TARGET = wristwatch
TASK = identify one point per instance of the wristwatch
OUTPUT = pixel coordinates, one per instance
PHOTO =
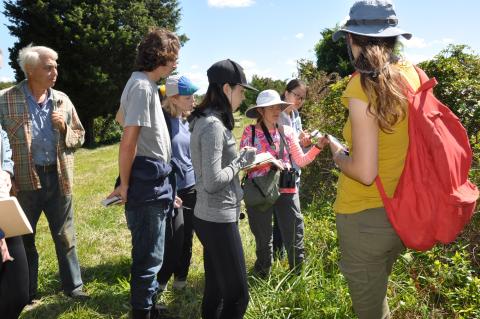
(2, 234)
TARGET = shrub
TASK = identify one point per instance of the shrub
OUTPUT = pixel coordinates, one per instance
(107, 130)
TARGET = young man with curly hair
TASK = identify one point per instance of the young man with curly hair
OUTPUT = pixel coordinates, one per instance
(144, 158)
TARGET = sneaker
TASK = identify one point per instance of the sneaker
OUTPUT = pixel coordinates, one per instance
(78, 295)
(179, 284)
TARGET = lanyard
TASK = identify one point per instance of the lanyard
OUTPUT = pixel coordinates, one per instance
(267, 135)
(282, 142)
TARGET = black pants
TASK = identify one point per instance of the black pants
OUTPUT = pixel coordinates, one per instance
(278, 246)
(178, 239)
(13, 280)
(226, 289)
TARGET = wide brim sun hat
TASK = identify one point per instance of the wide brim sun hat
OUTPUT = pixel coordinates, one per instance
(264, 99)
(372, 18)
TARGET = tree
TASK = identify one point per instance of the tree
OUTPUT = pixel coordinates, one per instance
(96, 42)
(261, 84)
(332, 56)
(457, 70)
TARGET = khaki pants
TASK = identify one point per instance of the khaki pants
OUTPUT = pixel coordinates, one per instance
(369, 246)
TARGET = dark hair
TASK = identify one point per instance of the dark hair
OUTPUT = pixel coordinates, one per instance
(216, 100)
(292, 85)
(382, 82)
(156, 49)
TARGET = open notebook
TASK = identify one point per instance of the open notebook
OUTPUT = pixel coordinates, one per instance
(263, 158)
(13, 221)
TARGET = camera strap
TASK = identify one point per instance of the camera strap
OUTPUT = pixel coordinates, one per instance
(268, 136)
(283, 143)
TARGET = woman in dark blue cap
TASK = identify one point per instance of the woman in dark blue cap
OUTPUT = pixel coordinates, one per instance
(376, 132)
(217, 163)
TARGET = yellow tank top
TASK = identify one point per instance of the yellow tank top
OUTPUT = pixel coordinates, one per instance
(353, 196)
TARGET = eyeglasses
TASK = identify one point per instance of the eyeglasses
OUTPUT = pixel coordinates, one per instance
(298, 96)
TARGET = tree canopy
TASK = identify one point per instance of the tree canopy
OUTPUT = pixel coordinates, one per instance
(261, 84)
(332, 56)
(95, 40)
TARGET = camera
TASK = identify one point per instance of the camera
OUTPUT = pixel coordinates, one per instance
(288, 178)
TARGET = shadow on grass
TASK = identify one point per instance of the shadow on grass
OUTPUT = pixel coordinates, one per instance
(107, 285)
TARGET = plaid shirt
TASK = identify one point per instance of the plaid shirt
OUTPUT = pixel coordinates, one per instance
(15, 120)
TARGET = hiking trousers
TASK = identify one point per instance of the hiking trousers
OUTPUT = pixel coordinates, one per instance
(369, 247)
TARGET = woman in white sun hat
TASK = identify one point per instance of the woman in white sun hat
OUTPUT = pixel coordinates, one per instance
(282, 142)
(376, 132)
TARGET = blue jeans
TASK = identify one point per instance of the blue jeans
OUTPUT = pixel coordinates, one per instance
(147, 225)
(59, 212)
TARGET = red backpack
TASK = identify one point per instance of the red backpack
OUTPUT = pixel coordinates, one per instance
(434, 199)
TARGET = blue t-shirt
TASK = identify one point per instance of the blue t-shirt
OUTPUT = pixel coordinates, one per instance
(181, 151)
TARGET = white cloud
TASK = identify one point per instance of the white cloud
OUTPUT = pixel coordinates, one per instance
(420, 43)
(194, 67)
(199, 79)
(417, 58)
(292, 62)
(230, 3)
(299, 35)
(444, 41)
(6, 79)
(344, 20)
(250, 68)
(415, 42)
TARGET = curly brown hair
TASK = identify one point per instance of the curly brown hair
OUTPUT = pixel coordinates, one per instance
(156, 49)
(381, 80)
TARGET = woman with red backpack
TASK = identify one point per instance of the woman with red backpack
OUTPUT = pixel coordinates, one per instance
(376, 132)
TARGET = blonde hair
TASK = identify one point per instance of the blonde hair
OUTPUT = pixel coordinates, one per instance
(171, 108)
(30, 55)
(382, 82)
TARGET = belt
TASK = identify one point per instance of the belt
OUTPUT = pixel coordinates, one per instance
(46, 168)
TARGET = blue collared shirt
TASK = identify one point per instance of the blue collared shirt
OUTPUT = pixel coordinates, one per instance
(5, 152)
(44, 137)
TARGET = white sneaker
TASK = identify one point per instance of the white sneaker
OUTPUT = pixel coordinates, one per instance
(179, 284)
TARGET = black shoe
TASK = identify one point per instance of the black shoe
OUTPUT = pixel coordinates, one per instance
(162, 314)
(140, 314)
(78, 295)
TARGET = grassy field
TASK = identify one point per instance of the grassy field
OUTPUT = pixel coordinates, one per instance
(318, 292)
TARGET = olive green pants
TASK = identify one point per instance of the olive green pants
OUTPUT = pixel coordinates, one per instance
(369, 247)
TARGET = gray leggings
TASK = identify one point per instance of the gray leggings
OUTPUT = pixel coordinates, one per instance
(290, 223)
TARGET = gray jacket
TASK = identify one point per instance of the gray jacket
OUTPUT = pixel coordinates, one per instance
(216, 163)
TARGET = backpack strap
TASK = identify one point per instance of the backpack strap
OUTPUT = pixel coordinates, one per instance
(426, 82)
(252, 127)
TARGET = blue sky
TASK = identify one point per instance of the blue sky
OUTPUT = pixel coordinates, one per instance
(267, 37)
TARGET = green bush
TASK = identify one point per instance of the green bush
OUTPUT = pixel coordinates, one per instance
(323, 111)
(107, 130)
(457, 70)
(4, 85)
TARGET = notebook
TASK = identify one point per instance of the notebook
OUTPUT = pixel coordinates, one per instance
(13, 221)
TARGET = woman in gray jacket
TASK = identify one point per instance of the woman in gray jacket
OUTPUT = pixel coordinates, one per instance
(216, 163)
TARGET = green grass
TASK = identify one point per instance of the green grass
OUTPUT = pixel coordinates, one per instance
(442, 283)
